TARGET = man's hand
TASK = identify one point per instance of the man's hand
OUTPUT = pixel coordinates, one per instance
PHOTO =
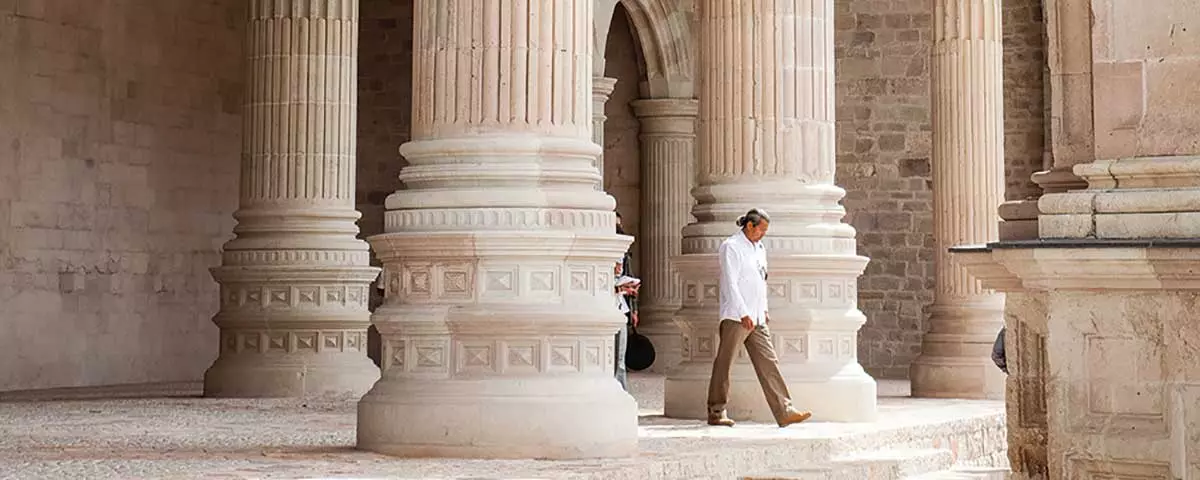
(747, 323)
(634, 317)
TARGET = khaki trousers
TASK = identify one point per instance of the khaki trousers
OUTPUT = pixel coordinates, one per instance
(766, 367)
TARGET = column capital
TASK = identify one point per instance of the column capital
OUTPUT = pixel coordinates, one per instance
(667, 115)
(603, 87)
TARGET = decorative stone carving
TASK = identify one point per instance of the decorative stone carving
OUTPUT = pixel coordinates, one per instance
(968, 178)
(668, 152)
(1117, 365)
(296, 273)
(502, 180)
(766, 139)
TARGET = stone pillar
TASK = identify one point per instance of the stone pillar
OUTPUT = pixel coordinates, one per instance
(968, 186)
(602, 88)
(498, 319)
(1070, 127)
(766, 139)
(668, 141)
(293, 311)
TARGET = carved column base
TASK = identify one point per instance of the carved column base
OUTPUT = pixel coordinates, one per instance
(956, 355)
(499, 344)
(499, 418)
(816, 343)
(292, 331)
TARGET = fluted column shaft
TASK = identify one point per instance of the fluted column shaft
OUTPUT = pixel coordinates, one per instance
(668, 152)
(499, 318)
(766, 139)
(602, 89)
(968, 185)
(294, 282)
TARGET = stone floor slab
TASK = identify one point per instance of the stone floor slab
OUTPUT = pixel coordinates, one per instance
(231, 438)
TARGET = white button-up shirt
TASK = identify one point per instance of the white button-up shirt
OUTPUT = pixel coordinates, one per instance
(743, 279)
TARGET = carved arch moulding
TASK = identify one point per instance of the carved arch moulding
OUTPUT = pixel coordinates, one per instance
(664, 32)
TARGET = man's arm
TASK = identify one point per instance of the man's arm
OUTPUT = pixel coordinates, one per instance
(729, 287)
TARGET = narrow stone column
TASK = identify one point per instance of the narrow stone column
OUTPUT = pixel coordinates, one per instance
(498, 319)
(968, 186)
(294, 282)
(766, 139)
(602, 88)
(668, 141)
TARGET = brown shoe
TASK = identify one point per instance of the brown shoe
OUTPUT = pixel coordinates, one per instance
(793, 416)
(719, 420)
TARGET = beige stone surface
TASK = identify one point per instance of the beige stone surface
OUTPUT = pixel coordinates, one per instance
(668, 140)
(498, 318)
(968, 175)
(119, 136)
(294, 282)
(766, 139)
(1120, 369)
(269, 438)
(883, 153)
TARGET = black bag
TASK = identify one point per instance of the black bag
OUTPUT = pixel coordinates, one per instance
(639, 353)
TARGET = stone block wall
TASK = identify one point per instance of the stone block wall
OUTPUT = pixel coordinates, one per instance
(884, 148)
(119, 149)
(384, 104)
(884, 153)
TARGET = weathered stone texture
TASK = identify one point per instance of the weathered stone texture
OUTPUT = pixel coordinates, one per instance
(884, 164)
(884, 136)
(384, 104)
(119, 141)
(1024, 96)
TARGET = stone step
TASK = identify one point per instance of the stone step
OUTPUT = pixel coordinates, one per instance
(966, 473)
(880, 465)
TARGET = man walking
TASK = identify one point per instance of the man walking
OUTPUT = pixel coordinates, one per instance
(744, 321)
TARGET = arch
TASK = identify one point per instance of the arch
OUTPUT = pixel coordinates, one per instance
(663, 28)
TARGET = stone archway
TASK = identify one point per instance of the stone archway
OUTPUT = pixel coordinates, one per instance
(664, 35)
(648, 130)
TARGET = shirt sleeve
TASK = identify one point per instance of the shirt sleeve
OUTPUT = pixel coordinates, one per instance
(730, 270)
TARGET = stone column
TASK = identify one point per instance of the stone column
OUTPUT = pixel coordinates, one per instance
(293, 311)
(1070, 129)
(766, 139)
(498, 319)
(668, 141)
(968, 186)
(602, 88)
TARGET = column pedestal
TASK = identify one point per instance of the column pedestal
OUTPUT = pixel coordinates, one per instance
(499, 318)
(968, 177)
(766, 140)
(294, 282)
(668, 141)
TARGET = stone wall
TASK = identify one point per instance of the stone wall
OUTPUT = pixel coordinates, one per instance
(1025, 105)
(384, 104)
(884, 150)
(119, 148)
(884, 164)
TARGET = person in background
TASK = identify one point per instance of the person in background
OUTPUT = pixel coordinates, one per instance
(626, 291)
(627, 304)
(998, 356)
(744, 319)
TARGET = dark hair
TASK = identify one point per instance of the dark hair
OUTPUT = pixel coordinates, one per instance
(754, 217)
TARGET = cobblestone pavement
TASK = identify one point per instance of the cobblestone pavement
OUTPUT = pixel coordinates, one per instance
(226, 439)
